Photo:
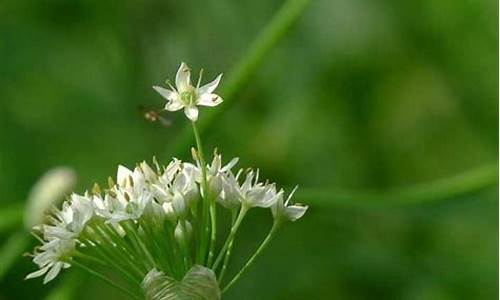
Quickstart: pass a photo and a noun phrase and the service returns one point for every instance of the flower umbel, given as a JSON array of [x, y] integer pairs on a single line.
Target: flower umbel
[[185, 95], [156, 226]]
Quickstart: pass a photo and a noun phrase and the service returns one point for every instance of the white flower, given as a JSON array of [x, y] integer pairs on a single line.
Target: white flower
[[286, 211], [157, 212], [230, 196], [215, 173], [251, 193], [68, 222], [59, 237], [185, 95], [261, 196], [161, 188], [185, 185], [176, 189], [50, 258], [126, 200], [257, 194]]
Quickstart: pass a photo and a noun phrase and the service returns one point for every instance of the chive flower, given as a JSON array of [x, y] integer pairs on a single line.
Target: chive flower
[[156, 226]]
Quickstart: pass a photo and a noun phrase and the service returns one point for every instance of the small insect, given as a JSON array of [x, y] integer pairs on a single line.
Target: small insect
[[152, 116]]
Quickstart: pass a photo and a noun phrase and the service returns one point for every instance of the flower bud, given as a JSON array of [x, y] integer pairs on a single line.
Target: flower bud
[[168, 208], [215, 185], [183, 231], [179, 205]]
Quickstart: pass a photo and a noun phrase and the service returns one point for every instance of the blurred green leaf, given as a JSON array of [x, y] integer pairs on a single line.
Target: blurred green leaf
[[11, 216], [447, 188], [12, 250]]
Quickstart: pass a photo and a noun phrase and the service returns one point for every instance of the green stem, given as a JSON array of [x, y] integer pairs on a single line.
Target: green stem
[[91, 258], [176, 257], [141, 247], [122, 255], [204, 230], [104, 278], [185, 246], [153, 242], [201, 156], [124, 249], [115, 256], [262, 246], [228, 252], [230, 237], [213, 232], [109, 262]]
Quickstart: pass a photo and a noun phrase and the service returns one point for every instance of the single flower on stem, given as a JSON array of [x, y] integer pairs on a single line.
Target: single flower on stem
[[185, 95]]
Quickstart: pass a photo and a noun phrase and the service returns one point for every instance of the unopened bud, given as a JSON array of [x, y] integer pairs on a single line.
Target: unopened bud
[[179, 205], [168, 208], [183, 231]]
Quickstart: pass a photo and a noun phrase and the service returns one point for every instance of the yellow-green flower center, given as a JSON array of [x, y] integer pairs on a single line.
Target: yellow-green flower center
[[188, 97]]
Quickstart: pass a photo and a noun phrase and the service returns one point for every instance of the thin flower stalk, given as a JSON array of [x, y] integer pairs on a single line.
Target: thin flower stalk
[[250, 261]]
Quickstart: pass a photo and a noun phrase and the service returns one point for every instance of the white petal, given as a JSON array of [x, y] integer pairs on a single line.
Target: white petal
[[230, 165], [209, 100], [192, 170], [175, 103], [122, 175], [183, 78], [172, 169], [191, 112], [295, 212], [165, 93], [216, 164], [211, 86], [53, 272], [37, 273], [149, 174]]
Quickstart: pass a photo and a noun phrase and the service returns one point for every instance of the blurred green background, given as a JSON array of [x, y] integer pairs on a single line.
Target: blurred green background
[[358, 96]]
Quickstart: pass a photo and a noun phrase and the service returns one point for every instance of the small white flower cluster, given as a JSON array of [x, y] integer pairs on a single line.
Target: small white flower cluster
[[146, 204], [158, 227], [59, 238]]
